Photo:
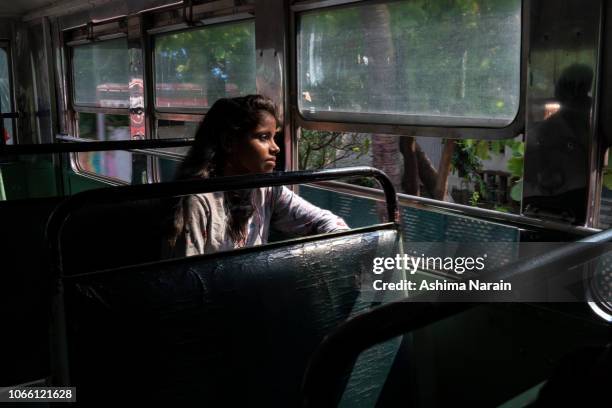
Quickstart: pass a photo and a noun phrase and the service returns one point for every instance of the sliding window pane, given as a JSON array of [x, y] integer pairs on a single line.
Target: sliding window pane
[[481, 173], [412, 62], [101, 74], [175, 129], [6, 103], [194, 68]]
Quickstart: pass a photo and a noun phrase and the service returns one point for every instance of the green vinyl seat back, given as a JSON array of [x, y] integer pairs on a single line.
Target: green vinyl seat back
[[226, 329]]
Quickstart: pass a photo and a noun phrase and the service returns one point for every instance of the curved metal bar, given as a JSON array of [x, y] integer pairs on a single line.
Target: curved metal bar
[[341, 347], [61, 214], [92, 146], [564, 257], [515, 220], [519, 221], [63, 211]]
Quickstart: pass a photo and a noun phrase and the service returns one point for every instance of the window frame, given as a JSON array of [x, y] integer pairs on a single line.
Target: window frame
[[12, 113], [174, 17], [393, 124], [178, 114], [154, 33], [75, 109], [87, 107]]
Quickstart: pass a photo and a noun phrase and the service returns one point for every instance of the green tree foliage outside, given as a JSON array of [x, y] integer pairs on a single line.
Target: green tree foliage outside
[[323, 150], [450, 58], [220, 58], [443, 58], [468, 160], [320, 150]]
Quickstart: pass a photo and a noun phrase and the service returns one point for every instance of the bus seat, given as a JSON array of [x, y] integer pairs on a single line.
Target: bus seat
[[219, 329], [105, 236], [24, 289]]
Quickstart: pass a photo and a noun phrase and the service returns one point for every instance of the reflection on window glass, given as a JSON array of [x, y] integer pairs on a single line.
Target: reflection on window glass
[[459, 60], [545, 70], [173, 129], [195, 68], [480, 173], [167, 169], [167, 129], [176, 129], [6, 104], [101, 74], [100, 126]]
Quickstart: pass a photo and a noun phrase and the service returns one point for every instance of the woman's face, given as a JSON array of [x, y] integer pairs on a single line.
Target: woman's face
[[256, 154]]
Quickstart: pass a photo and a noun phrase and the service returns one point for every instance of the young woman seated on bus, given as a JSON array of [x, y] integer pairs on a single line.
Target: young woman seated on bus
[[237, 138]]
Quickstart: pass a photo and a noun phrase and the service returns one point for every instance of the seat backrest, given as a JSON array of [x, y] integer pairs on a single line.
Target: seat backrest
[[220, 329], [24, 289], [105, 236]]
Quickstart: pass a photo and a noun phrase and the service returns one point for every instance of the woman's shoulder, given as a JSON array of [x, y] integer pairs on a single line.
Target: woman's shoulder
[[197, 199], [199, 203]]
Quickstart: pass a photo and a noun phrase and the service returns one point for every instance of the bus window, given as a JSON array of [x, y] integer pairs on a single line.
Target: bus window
[[6, 101], [194, 68], [479, 173], [101, 72], [101, 98], [414, 63], [100, 126], [168, 129]]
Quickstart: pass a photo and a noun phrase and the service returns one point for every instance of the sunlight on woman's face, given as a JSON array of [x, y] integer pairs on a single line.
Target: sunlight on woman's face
[[256, 154]]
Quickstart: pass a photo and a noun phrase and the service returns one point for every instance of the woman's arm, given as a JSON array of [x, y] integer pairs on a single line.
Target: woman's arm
[[292, 214]]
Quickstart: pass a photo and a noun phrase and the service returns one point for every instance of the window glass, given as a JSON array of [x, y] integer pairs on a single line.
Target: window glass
[[173, 129], [6, 104], [9, 133], [545, 70], [479, 173], [605, 205], [100, 126], [176, 129], [453, 61], [168, 129], [195, 68], [167, 169], [101, 74]]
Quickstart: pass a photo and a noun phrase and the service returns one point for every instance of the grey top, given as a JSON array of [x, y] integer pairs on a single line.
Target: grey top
[[278, 207]]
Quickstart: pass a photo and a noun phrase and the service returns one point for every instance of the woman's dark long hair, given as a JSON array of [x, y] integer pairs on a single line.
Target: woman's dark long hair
[[229, 120]]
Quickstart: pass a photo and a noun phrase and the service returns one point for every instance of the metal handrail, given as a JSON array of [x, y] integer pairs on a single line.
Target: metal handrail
[[342, 346], [60, 215], [515, 220], [140, 146], [63, 211], [79, 145]]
